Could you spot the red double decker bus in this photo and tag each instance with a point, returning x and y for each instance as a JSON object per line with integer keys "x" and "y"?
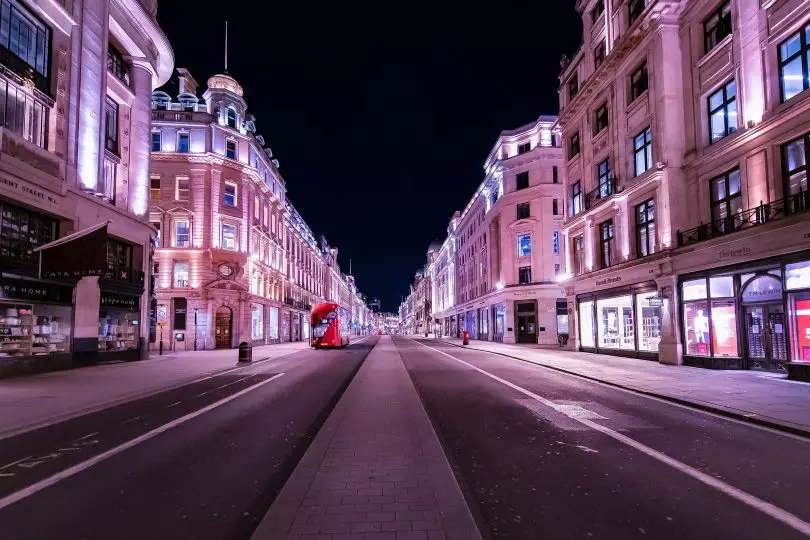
{"x": 330, "y": 326}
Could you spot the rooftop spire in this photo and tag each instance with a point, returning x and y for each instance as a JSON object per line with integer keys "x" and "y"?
{"x": 226, "y": 47}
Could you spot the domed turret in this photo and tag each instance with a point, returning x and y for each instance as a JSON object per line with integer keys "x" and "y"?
{"x": 225, "y": 82}
{"x": 435, "y": 246}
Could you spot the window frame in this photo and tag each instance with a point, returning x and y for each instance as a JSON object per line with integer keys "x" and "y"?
{"x": 798, "y": 201}
{"x": 527, "y": 272}
{"x": 225, "y": 194}
{"x": 174, "y": 274}
{"x": 597, "y": 11}
{"x": 725, "y": 24}
{"x": 176, "y": 234}
{"x": 727, "y": 201}
{"x": 578, "y": 254}
{"x": 573, "y": 86}
{"x": 599, "y": 54}
{"x": 635, "y": 8}
{"x": 607, "y": 236}
{"x": 803, "y": 53}
{"x": 176, "y": 313}
{"x": 643, "y": 236}
{"x": 159, "y": 135}
{"x": 111, "y": 133}
{"x": 523, "y": 206}
{"x": 42, "y": 63}
{"x": 154, "y": 192}
{"x": 231, "y": 149}
{"x": 639, "y": 82}
{"x": 602, "y": 120}
{"x": 644, "y": 149}
{"x": 518, "y": 177}
{"x": 555, "y": 174}
{"x": 181, "y": 136}
{"x": 230, "y": 117}
{"x": 235, "y": 228}
{"x": 576, "y": 198}
{"x": 724, "y": 106}
{"x": 555, "y": 207}
{"x": 573, "y": 149}
{"x": 524, "y": 148}
{"x": 178, "y": 189}
{"x": 257, "y": 209}
{"x": 520, "y": 253}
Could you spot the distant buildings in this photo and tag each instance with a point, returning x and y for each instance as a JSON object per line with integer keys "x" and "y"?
{"x": 495, "y": 275}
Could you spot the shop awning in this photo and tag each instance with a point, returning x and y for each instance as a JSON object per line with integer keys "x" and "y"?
{"x": 77, "y": 255}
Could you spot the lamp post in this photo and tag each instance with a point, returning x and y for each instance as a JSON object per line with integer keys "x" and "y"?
{"x": 195, "y": 327}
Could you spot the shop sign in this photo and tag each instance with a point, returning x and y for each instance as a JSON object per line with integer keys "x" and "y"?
{"x": 28, "y": 190}
{"x": 655, "y": 301}
{"x": 120, "y": 301}
{"x": 763, "y": 289}
{"x": 162, "y": 315}
{"x": 732, "y": 253}
{"x": 22, "y": 289}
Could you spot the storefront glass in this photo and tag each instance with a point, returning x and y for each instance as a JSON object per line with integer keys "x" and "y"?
{"x": 483, "y": 322}
{"x": 615, "y": 323}
{"x": 305, "y": 330}
{"x": 586, "y": 324}
{"x": 500, "y": 319}
{"x": 797, "y": 276}
{"x": 724, "y": 328}
{"x": 272, "y": 320}
{"x": 649, "y": 315}
{"x": 800, "y": 316}
{"x": 34, "y": 329}
{"x": 257, "y": 321}
{"x": 119, "y": 322}
{"x": 696, "y": 327}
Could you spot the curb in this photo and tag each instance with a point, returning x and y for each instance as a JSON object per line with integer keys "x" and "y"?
{"x": 720, "y": 411}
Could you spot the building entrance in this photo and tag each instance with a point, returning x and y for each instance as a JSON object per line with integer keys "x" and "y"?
{"x": 224, "y": 321}
{"x": 766, "y": 336}
{"x": 526, "y": 314}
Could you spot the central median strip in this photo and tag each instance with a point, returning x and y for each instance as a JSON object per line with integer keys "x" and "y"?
{"x": 75, "y": 469}
{"x": 765, "y": 507}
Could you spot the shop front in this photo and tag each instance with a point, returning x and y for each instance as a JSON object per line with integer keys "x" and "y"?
{"x": 257, "y": 323}
{"x": 755, "y": 316}
{"x": 483, "y": 324}
{"x": 499, "y": 322}
{"x": 623, "y": 322}
{"x": 36, "y": 321}
{"x": 119, "y": 326}
{"x": 272, "y": 324}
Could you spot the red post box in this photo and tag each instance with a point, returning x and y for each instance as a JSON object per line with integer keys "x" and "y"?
{"x": 465, "y": 338}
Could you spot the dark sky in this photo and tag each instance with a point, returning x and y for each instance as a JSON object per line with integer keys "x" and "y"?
{"x": 381, "y": 114}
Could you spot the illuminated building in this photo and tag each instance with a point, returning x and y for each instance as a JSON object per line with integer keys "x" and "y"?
{"x": 685, "y": 125}
{"x": 235, "y": 260}
{"x": 495, "y": 275}
{"x": 74, "y": 139}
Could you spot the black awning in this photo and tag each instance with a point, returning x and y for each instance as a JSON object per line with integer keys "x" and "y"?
{"x": 77, "y": 255}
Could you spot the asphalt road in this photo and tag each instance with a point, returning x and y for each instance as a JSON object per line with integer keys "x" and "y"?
{"x": 203, "y": 461}
{"x": 541, "y": 454}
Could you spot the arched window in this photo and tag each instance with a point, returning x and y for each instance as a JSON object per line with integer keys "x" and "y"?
{"x": 231, "y": 118}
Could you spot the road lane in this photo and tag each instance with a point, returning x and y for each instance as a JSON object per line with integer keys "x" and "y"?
{"x": 211, "y": 477}
{"x": 538, "y": 471}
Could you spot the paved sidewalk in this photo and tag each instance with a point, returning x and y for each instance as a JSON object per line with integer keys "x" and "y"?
{"x": 37, "y": 400}
{"x": 375, "y": 471}
{"x": 763, "y": 398}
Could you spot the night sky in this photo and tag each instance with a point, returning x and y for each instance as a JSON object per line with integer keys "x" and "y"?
{"x": 381, "y": 114}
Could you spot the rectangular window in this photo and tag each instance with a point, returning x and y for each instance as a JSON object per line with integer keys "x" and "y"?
{"x": 642, "y": 152}
{"x": 229, "y": 197}
{"x": 597, "y": 11}
{"x": 181, "y": 188}
{"x": 525, "y": 275}
{"x": 525, "y": 147}
{"x": 573, "y": 146}
{"x": 638, "y": 82}
{"x": 726, "y": 202}
{"x": 601, "y": 118}
{"x": 21, "y": 231}
{"x": 22, "y": 114}
{"x": 523, "y": 210}
{"x": 555, "y": 242}
{"x": 183, "y": 145}
{"x": 266, "y": 215}
{"x": 230, "y": 149}
{"x": 111, "y": 126}
{"x": 257, "y": 210}
{"x": 24, "y": 36}
{"x": 599, "y": 54}
{"x": 555, "y": 210}
{"x": 573, "y": 86}
{"x": 604, "y": 179}
{"x": 794, "y": 159}
{"x": 717, "y": 26}
{"x": 579, "y": 255}
{"x": 156, "y": 225}
{"x": 524, "y": 245}
{"x": 636, "y": 8}
{"x": 156, "y": 141}
{"x": 606, "y": 243}
{"x": 723, "y": 112}
{"x": 555, "y": 175}
{"x": 576, "y": 198}
{"x": 180, "y": 275}
{"x": 616, "y": 327}
{"x": 117, "y": 65}
{"x": 107, "y": 183}
{"x": 154, "y": 187}
{"x": 522, "y": 180}
{"x": 182, "y": 233}
{"x": 229, "y": 237}
{"x": 180, "y": 308}
{"x": 645, "y": 228}
{"x": 794, "y": 64}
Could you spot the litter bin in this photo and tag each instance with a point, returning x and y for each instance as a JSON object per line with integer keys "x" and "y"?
{"x": 245, "y": 352}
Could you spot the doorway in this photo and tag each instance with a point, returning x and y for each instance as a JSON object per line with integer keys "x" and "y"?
{"x": 526, "y": 315}
{"x": 223, "y": 327}
{"x": 766, "y": 336}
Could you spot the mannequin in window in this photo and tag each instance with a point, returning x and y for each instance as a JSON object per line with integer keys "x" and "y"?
{"x": 701, "y": 324}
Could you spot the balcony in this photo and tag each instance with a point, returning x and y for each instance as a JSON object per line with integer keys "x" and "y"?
{"x": 597, "y": 196}
{"x": 759, "y": 215}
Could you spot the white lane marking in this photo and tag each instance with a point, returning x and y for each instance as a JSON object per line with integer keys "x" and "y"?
{"x": 86, "y": 436}
{"x": 763, "y": 506}
{"x": 14, "y": 463}
{"x": 134, "y": 418}
{"x": 176, "y": 403}
{"x": 51, "y": 480}
{"x": 223, "y": 386}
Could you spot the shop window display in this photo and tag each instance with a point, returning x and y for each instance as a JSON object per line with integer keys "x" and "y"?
{"x": 721, "y": 287}
{"x": 797, "y": 276}
{"x": 272, "y": 326}
{"x": 586, "y": 324}
{"x": 694, "y": 290}
{"x": 257, "y": 321}
{"x": 649, "y": 328}
{"x": 696, "y": 328}
{"x": 800, "y": 316}
{"x": 117, "y": 331}
{"x": 724, "y": 328}
{"x": 32, "y": 329}
{"x": 616, "y": 324}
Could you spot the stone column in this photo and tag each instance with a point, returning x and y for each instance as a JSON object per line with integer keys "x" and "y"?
{"x": 670, "y": 350}
{"x": 85, "y": 321}
{"x": 139, "y": 137}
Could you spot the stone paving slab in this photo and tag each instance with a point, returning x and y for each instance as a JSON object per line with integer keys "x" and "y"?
{"x": 375, "y": 471}
{"x": 37, "y": 400}
{"x": 764, "y": 398}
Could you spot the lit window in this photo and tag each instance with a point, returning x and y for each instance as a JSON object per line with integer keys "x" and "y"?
{"x": 257, "y": 210}
{"x": 111, "y": 126}
{"x": 229, "y": 199}
{"x": 230, "y": 149}
{"x": 183, "y": 143}
{"x": 605, "y": 180}
{"x": 26, "y": 38}
{"x": 524, "y": 245}
{"x": 156, "y": 142}
{"x": 229, "y": 237}
{"x": 726, "y": 202}
{"x": 645, "y": 228}
{"x": 606, "y": 243}
{"x": 107, "y": 187}
{"x": 231, "y": 114}
{"x": 181, "y": 188}
{"x": 154, "y": 187}
{"x": 578, "y": 260}
{"x": 180, "y": 275}
{"x": 555, "y": 241}
{"x": 266, "y": 214}
{"x": 794, "y": 155}
{"x": 156, "y": 225}
{"x": 642, "y": 150}
{"x": 717, "y": 26}
{"x": 182, "y": 233}
{"x": 794, "y": 64}
{"x": 638, "y": 82}
{"x": 723, "y": 112}
{"x": 576, "y": 198}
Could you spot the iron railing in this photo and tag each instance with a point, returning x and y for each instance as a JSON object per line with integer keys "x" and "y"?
{"x": 603, "y": 191}
{"x": 758, "y": 215}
